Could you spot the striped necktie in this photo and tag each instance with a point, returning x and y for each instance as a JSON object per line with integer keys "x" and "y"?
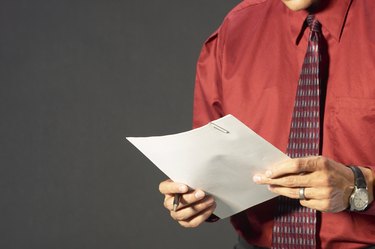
{"x": 295, "y": 225}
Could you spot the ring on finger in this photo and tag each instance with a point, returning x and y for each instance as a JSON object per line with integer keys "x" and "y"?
{"x": 301, "y": 193}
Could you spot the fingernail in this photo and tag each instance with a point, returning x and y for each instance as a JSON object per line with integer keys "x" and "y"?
{"x": 182, "y": 188}
{"x": 211, "y": 204}
{"x": 211, "y": 201}
{"x": 268, "y": 173}
{"x": 199, "y": 194}
{"x": 257, "y": 178}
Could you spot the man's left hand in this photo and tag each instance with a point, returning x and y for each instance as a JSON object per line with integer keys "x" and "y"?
{"x": 328, "y": 184}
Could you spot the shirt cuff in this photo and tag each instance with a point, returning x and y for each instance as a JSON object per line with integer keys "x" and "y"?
{"x": 212, "y": 218}
{"x": 370, "y": 210}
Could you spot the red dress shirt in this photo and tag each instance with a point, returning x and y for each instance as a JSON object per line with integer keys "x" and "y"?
{"x": 250, "y": 67}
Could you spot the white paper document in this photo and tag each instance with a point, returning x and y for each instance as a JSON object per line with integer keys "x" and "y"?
{"x": 219, "y": 158}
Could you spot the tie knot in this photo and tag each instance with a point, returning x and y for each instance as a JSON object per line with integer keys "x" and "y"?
{"x": 313, "y": 23}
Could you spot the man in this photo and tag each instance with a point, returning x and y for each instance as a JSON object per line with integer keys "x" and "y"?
{"x": 250, "y": 67}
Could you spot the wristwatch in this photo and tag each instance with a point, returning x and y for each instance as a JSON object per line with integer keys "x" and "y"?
{"x": 359, "y": 198}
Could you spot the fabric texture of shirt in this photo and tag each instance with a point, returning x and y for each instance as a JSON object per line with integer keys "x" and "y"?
{"x": 250, "y": 67}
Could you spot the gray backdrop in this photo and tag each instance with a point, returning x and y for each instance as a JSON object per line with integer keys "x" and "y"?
{"x": 76, "y": 78}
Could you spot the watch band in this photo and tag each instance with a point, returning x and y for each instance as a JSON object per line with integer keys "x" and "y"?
{"x": 359, "y": 178}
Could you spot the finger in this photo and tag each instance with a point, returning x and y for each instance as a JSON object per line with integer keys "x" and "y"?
{"x": 288, "y": 192}
{"x": 170, "y": 187}
{"x": 290, "y": 181}
{"x": 185, "y": 200}
{"x": 325, "y": 205}
{"x": 294, "y": 193}
{"x": 293, "y": 166}
{"x": 294, "y": 181}
{"x": 191, "y": 211}
{"x": 199, "y": 218}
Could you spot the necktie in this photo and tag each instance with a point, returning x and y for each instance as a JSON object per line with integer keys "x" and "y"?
{"x": 295, "y": 225}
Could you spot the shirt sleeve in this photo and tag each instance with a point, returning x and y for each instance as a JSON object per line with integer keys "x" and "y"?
{"x": 371, "y": 208}
{"x": 207, "y": 92}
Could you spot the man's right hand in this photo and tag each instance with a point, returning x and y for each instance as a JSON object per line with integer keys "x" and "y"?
{"x": 195, "y": 206}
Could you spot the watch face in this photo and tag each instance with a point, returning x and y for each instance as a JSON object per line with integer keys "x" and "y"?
{"x": 360, "y": 199}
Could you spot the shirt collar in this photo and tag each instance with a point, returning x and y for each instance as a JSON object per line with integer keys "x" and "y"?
{"x": 332, "y": 17}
